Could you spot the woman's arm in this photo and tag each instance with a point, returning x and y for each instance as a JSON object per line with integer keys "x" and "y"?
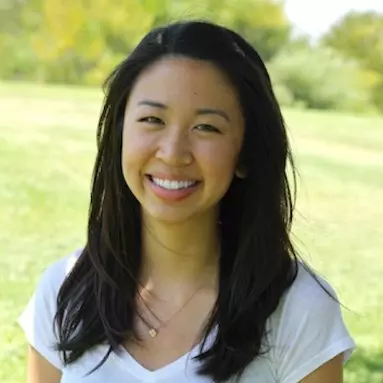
{"x": 40, "y": 370}
{"x": 330, "y": 372}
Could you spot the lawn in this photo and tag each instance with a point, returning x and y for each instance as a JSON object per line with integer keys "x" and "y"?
{"x": 47, "y": 147}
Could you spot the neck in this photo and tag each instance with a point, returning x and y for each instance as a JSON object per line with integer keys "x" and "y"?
{"x": 181, "y": 257}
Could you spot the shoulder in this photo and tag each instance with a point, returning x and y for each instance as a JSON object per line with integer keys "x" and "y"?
{"x": 48, "y": 286}
{"x": 37, "y": 318}
{"x": 309, "y": 302}
{"x": 308, "y": 292}
{"x": 307, "y": 329}
{"x": 62, "y": 267}
{"x": 54, "y": 275}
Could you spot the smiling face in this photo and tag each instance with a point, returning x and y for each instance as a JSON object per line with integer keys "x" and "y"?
{"x": 183, "y": 131}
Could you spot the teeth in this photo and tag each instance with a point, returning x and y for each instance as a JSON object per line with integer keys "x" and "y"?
{"x": 173, "y": 185}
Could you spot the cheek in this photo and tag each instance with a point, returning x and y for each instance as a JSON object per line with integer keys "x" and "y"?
{"x": 220, "y": 161}
{"x": 135, "y": 151}
{"x": 135, "y": 145}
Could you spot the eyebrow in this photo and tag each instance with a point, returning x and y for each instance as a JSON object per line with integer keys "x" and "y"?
{"x": 152, "y": 103}
{"x": 200, "y": 111}
{"x": 217, "y": 112}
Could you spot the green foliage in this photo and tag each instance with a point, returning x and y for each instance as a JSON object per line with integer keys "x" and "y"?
{"x": 81, "y": 41}
{"x": 284, "y": 95}
{"x": 77, "y": 41}
{"x": 263, "y": 22}
{"x": 16, "y": 58}
{"x": 359, "y": 35}
{"x": 319, "y": 79}
{"x": 10, "y": 11}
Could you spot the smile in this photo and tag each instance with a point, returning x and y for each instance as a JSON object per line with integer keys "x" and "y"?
{"x": 172, "y": 184}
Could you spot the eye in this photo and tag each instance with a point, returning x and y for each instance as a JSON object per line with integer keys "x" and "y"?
{"x": 207, "y": 128}
{"x": 151, "y": 120}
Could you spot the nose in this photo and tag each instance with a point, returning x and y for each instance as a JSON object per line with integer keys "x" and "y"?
{"x": 174, "y": 149}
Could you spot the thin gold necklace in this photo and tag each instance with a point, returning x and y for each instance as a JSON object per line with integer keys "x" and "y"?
{"x": 153, "y": 332}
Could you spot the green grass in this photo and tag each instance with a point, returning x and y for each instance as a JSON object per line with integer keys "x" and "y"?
{"x": 47, "y": 147}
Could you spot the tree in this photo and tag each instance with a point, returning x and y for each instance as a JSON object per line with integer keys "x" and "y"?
{"x": 10, "y": 12}
{"x": 81, "y": 41}
{"x": 334, "y": 84}
{"x": 263, "y": 22}
{"x": 13, "y": 43}
{"x": 359, "y": 36}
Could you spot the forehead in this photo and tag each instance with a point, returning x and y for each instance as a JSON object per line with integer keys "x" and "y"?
{"x": 179, "y": 79}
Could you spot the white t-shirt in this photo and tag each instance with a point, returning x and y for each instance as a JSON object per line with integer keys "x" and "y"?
{"x": 306, "y": 330}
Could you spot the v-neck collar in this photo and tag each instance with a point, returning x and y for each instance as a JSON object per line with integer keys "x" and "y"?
{"x": 185, "y": 362}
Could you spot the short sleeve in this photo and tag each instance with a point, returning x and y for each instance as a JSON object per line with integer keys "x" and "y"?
{"x": 37, "y": 319}
{"x": 312, "y": 330}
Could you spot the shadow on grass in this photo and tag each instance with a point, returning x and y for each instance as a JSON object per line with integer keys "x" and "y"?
{"x": 365, "y": 367}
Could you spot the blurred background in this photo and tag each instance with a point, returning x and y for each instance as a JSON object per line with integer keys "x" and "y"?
{"x": 326, "y": 63}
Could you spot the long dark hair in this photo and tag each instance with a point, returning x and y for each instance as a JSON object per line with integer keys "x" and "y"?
{"x": 96, "y": 302}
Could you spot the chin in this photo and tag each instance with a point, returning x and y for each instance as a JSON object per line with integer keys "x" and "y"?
{"x": 172, "y": 215}
{"x": 170, "y": 218}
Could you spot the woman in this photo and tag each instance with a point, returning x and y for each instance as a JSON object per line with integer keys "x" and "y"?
{"x": 188, "y": 274}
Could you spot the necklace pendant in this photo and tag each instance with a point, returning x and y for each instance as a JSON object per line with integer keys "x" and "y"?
{"x": 152, "y": 332}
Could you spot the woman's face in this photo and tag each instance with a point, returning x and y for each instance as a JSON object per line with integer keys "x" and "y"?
{"x": 183, "y": 131}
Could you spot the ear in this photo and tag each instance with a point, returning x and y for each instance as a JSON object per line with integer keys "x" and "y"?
{"x": 241, "y": 172}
